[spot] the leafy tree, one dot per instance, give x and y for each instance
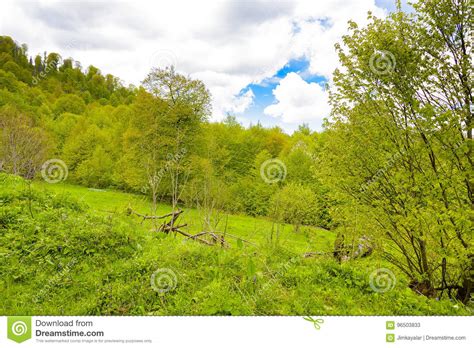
(23, 147)
(179, 90)
(178, 106)
(69, 103)
(400, 144)
(97, 169)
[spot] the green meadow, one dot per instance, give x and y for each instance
(71, 250)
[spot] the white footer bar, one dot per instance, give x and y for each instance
(236, 332)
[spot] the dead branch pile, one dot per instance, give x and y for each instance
(171, 226)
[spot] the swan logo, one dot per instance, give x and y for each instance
(19, 328)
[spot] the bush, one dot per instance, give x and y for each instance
(295, 204)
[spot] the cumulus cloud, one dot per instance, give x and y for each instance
(240, 103)
(228, 44)
(299, 101)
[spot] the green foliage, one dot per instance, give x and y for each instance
(394, 164)
(398, 153)
(23, 147)
(297, 205)
(97, 169)
(111, 136)
(69, 258)
(69, 103)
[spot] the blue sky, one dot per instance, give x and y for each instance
(263, 91)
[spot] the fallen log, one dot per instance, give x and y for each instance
(154, 217)
(167, 228)
(197, 235)
(194, 237)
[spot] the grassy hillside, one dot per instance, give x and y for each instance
(72, 250)
(256, 230)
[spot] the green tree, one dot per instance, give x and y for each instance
(23, 147)
(69, 103)
(400, 142)
(177, 107)
(97, 169)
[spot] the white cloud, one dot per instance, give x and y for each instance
(242, 102)
(299, 101)
(322, 24)
(228, 44)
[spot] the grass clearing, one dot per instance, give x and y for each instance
(71, 250)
